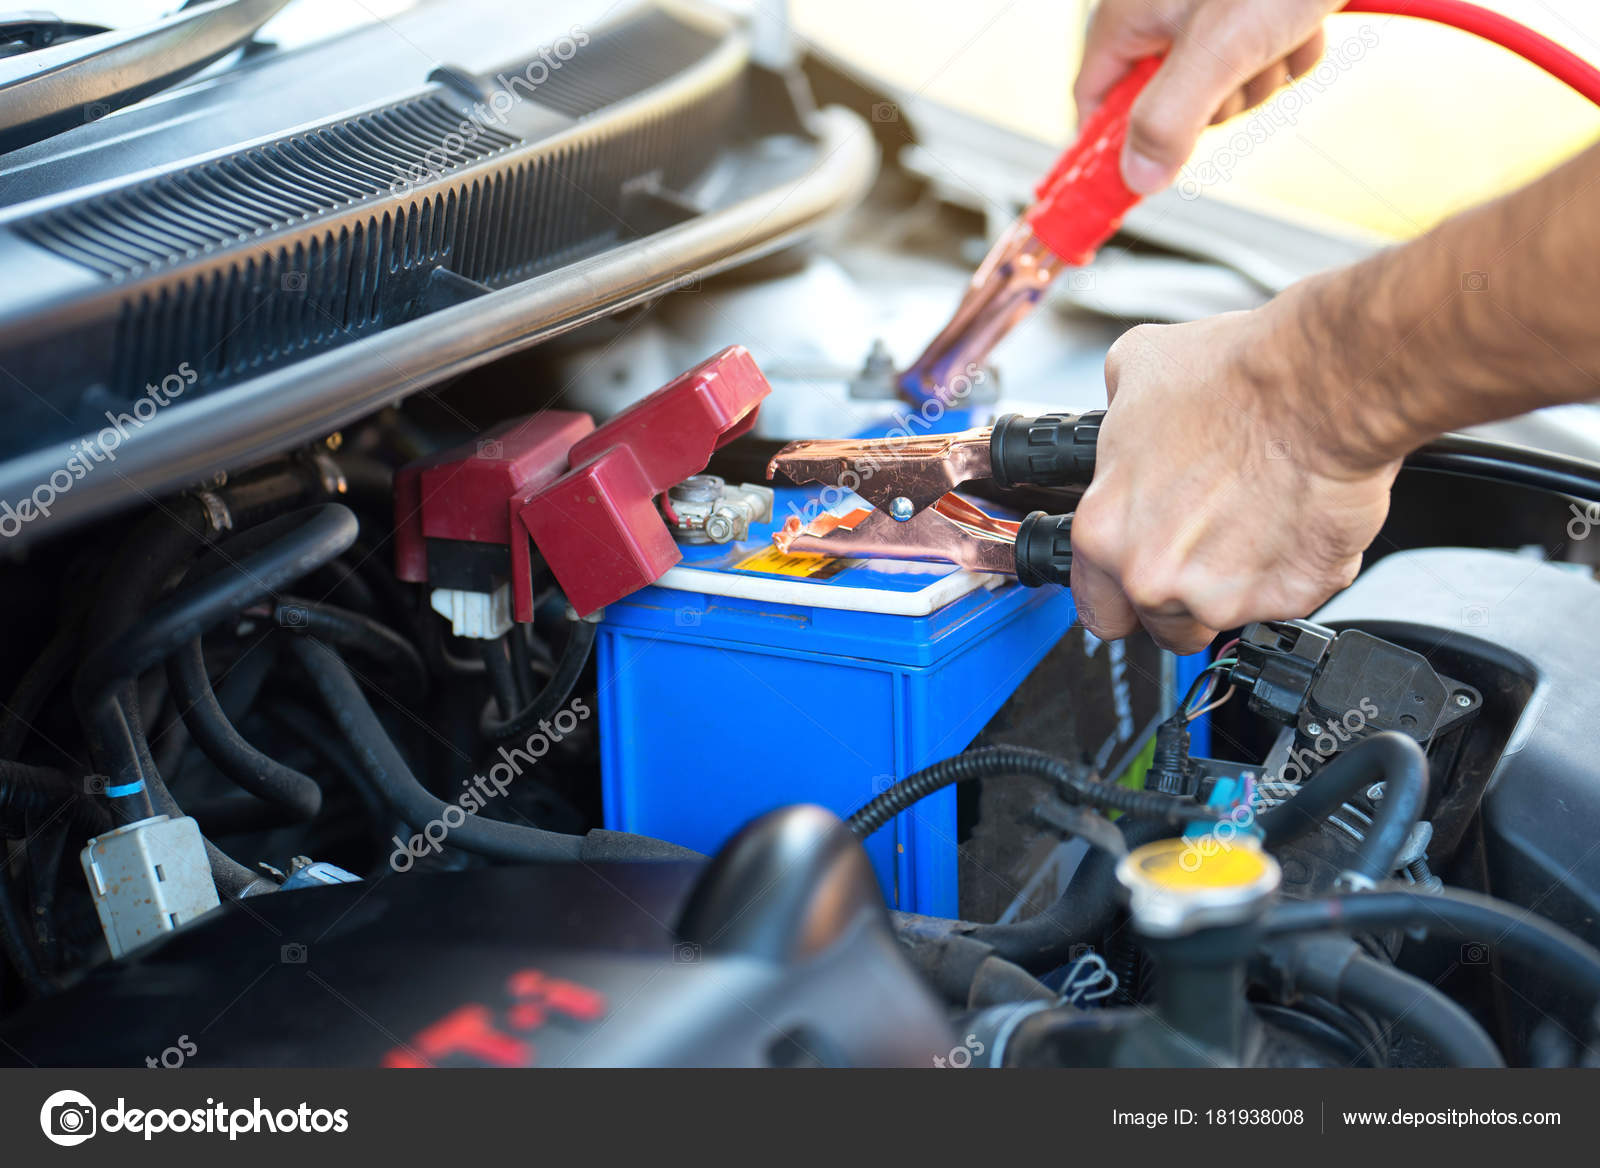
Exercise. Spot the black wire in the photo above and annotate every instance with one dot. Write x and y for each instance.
(1000, 761)
(574, 656)
(259, 774)
(502, 674)
(402, 666)
(356, 720)
(312, 539)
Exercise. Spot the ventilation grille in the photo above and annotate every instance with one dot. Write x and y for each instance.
(619, 61)
(336, 286)
(229, 200)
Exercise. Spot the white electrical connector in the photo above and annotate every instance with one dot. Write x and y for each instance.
(483, 616)
(147, 878)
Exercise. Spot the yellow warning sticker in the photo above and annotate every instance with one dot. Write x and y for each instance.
(771, 562)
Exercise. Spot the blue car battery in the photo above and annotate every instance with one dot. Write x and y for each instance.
(746, 679)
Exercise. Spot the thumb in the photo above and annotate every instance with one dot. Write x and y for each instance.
(1169, 116)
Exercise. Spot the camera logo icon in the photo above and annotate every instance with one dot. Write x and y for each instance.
(293, 953)
(68, 1118)
(686, 953)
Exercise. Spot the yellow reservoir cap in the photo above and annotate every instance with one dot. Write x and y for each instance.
(1177, 886)
(1202, 862)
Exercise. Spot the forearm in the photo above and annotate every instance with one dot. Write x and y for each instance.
(1492, 313)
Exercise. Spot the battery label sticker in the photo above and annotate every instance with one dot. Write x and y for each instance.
(771, 562)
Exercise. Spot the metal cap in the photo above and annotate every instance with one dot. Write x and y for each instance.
(1178, 886)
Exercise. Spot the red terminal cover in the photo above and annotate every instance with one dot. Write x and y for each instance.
(597, 526)
(469, 492)
(1082, 201)
(585, 496)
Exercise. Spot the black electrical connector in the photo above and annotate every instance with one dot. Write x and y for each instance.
(1051, 450)
(1044, 550)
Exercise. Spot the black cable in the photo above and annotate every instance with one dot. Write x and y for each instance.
(1391, 758)
(1413, 1006)
(502, 678)
(44, 792)
(1080, 916)
(1507, 462)
(556, 692)
(215, 735)
(312, 731)
(1001, 761)
(356, 720)
(522, 665)
(397, 659)
(1465, 915)
(311, 539)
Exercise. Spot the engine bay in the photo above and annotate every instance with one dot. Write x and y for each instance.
(580, 649)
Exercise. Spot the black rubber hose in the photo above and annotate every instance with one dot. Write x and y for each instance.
(1465, 915)
(1391, 758)
(556, 692)
(998, 761)
(415, 805)
(1080, 916)
(395, 657)
(314, 539)
(43, 792)
(410, 800)
(998, 981)
(1415, 1007)
(227, 749)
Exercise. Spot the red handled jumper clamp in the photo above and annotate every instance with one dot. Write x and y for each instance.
(1079, 205)
(476, 519)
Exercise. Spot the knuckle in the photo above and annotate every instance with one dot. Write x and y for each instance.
(1094, 538)
(1151, 590)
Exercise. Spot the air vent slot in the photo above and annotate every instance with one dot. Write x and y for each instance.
(229, 200)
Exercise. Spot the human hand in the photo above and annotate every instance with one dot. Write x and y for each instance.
(1223, 57)
(1232, 483)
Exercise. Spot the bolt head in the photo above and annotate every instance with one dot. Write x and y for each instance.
(1463, 700)
(901, 509)
(1314, 729)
